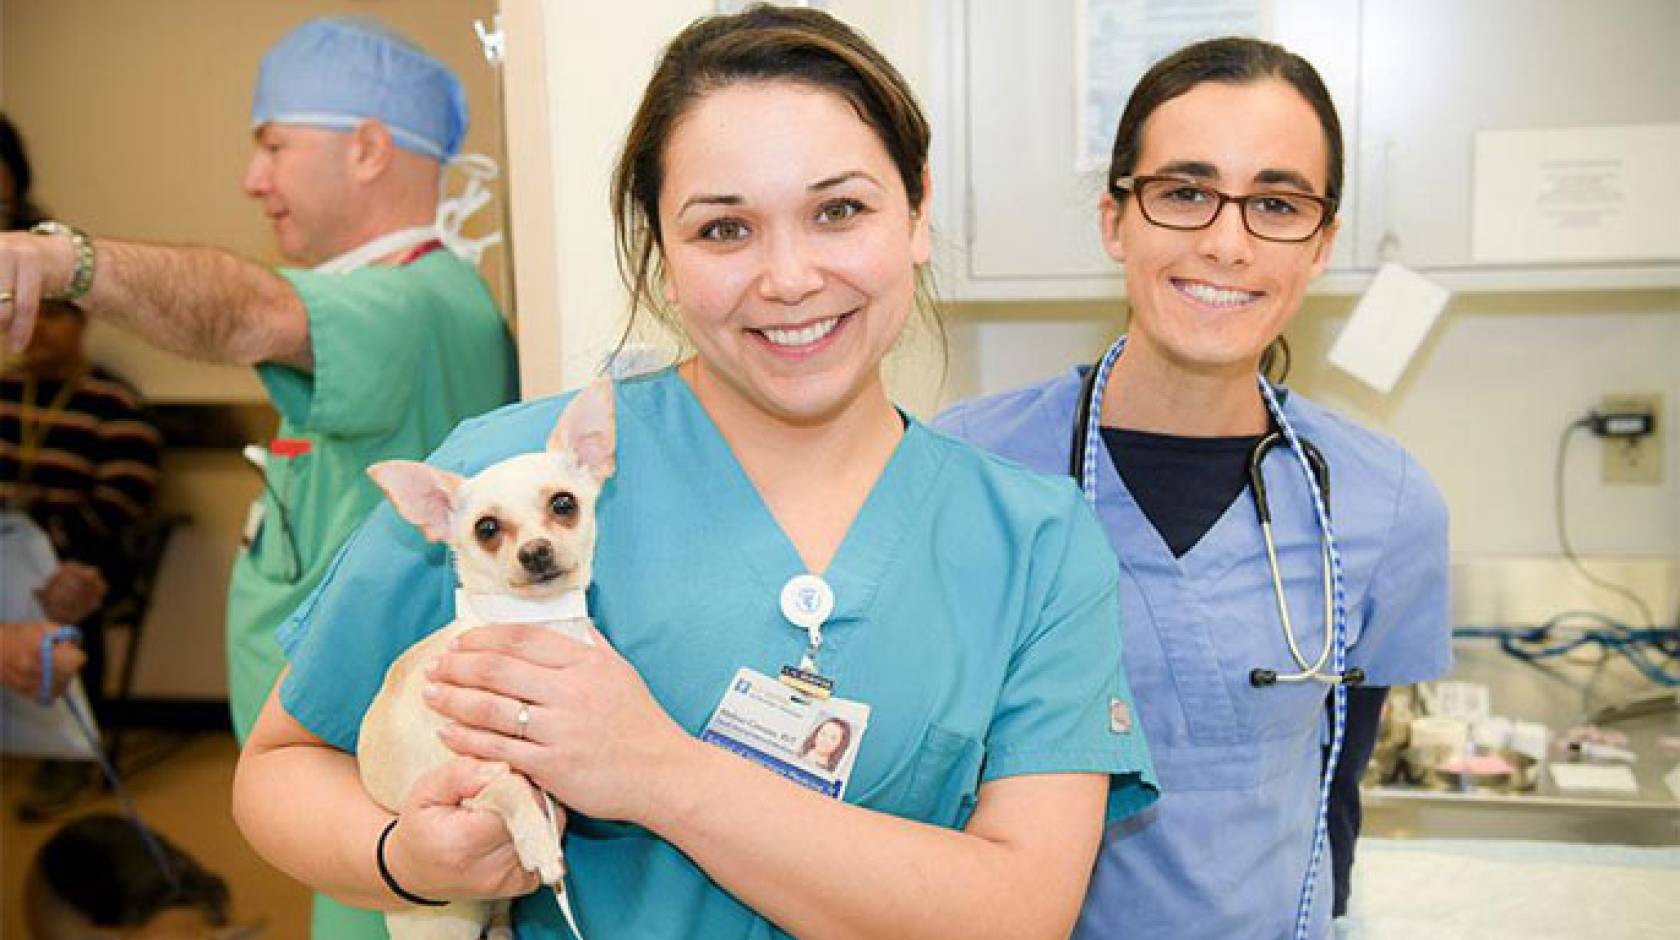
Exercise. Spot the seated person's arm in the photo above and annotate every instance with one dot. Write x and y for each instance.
(300, 803)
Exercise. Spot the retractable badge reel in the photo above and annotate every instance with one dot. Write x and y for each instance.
(807, 603)
(793, 725)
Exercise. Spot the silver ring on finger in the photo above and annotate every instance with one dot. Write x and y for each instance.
(522, 720)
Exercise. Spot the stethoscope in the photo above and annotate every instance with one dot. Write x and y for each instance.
(1081, 468)
(1330, 667)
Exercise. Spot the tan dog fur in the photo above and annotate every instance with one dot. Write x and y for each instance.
(399, 736)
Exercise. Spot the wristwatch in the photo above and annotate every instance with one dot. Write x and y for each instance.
(81, 277)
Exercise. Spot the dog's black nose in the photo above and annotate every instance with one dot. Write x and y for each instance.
(537, 557)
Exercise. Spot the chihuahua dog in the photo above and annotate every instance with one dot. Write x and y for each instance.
(522, 533)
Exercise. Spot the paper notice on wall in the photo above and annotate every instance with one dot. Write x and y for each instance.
(1585, 194)
(1116, 41)
(1387, 326)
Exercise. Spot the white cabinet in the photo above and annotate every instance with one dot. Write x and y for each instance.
(1029, 210)
(1412, 79)
(1434, 72)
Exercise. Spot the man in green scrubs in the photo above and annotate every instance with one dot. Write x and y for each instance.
(374, 354)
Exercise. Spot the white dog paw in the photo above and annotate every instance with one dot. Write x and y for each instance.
(551, 872)
(540, 855)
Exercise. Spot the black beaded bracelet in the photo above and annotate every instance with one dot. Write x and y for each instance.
(390, 882)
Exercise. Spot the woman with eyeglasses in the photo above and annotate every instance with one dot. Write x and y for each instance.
(1243, 641)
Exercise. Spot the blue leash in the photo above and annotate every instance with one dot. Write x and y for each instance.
(44, 696)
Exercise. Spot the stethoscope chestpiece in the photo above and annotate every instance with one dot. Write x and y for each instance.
(1261, 678)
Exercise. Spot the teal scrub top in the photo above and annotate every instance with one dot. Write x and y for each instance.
(975, 614)
(402, 355)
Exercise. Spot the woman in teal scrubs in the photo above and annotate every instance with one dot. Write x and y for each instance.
(1225, 178)
(772, 195)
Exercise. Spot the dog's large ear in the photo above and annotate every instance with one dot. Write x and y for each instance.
(423, 495)
(588, 430)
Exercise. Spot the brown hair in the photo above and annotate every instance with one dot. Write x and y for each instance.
(763, 44)
(20, 211)
(1234, 60)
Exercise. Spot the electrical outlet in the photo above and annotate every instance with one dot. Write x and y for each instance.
(1635, 460)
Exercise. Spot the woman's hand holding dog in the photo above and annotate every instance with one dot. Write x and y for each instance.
(441, 849)
(594, 736)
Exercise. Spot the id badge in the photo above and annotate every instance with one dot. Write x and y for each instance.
(811, 741)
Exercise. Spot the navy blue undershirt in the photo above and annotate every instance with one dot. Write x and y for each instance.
(1182, 484)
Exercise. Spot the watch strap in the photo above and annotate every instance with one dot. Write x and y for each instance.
(81, 276)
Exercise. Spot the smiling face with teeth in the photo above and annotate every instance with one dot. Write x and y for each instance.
(1211, 301)
(790, 248)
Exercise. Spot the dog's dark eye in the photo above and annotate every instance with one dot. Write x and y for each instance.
(487, 528)
(563, 505)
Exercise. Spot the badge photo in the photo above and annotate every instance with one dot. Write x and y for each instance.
(812, 742)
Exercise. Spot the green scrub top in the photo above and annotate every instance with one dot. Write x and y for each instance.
(402, 355)
(975, 614)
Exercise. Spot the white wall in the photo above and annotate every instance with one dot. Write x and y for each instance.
(1489, 395)
(597, 66)
(1482, 407)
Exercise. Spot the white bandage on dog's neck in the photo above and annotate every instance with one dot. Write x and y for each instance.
(501, 608)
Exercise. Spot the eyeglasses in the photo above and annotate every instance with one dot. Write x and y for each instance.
(1176, 203)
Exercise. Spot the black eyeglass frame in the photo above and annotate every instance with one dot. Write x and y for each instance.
(1131, 184)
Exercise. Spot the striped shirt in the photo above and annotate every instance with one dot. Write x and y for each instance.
(81, 462)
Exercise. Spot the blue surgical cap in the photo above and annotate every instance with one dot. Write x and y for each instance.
(338, 71)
